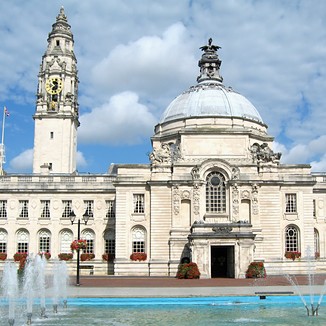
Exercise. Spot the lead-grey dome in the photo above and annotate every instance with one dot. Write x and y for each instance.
(210, 97)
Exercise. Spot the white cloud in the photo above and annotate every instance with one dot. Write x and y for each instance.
(23, 162)
(81, 161)
(151, 66)
(123, 120)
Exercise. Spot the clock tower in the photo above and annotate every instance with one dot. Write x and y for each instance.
(56, 115)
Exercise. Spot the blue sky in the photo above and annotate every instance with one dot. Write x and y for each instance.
(134, 57)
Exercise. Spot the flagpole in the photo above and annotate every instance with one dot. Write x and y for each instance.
(3, 126)
(2, 147)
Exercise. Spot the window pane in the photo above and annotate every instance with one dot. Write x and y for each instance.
(291, 203)
(291, 239)
(215, 193)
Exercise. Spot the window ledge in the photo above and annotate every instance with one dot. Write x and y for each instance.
(291, 216)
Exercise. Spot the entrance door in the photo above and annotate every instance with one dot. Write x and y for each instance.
(222, 261)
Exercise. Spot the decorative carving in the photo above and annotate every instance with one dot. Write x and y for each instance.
(175, 152)
(185, 194)
(195, 173)
(196, 197)
(235, 200)
(255, 206)
(235, 173)
(222, 229)
(245, 194)
(161, 155)
(176, 200)
(263, 154)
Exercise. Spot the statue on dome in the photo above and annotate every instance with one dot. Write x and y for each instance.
(210, 47)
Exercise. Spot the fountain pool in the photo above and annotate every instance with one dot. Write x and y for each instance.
(201, 311)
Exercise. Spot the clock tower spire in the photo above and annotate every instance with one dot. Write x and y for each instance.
(56, 115)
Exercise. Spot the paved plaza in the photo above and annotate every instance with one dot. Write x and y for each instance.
(111, 286)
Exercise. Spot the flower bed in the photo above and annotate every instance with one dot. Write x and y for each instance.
(18, 256)
(3, 256)
(140, 256)
(188, 271)
(292, 255)
(78, 245)
(85, 257)
(256, 270)
(65, 256)
(108, 257)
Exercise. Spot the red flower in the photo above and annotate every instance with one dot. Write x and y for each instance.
(84, 257)
(65, 256)
(188, 271)
(78, 244)
(256, 270)
(140, 256)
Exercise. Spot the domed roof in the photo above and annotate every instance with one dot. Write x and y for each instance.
(210, 97)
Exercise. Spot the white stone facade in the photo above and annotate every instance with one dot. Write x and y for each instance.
(213, 191)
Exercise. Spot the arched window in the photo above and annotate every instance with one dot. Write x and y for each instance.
(215, 193)
(316, 243)
(3, 241)
(292, 238)
(138, 239)
(89, 236)
(22, 241)
(66, 237)
(44, 238)
(109, 242)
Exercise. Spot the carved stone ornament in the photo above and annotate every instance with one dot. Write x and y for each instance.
(235, 173)
(161, 155)
(263, 154)
(176, 200)
(235, 200)
(196, 197)
(222, 229)
(195, 173)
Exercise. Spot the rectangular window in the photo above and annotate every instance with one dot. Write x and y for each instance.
(314, 208)
(138, 246)
(23, 205)
(51, 135)
(3, 209)
(44, 244)
(110, 208)
(22, 247)
(90, 246)
(89, 207)
(3, 247)
(290, 203)
(45, 209)
(67, 208)
(110, 246)
(139, 203)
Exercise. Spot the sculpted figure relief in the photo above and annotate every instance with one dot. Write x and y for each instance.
(161, 155)
(263, 154)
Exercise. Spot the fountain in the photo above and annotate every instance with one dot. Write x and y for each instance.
(10, 289)
(34, 287)
(312, 309)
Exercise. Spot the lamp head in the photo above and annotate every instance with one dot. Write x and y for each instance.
(72, 216)
(86, 217)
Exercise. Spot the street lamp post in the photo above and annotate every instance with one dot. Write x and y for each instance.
(72, 216)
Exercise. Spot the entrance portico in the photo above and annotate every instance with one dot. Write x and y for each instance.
(222, 250)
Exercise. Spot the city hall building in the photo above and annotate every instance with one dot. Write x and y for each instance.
(213, 191)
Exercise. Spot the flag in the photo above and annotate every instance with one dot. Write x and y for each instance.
(6, 112)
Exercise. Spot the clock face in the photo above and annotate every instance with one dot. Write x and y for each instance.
(54, 85)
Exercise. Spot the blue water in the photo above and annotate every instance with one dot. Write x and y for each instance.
(202, 311)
